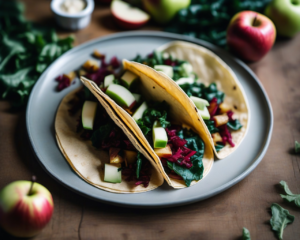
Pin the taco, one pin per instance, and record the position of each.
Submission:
(213, 87)
(162, 118)
(100, 148)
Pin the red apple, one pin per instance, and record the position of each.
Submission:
(128, 17)
(250, 35)
(25, 208)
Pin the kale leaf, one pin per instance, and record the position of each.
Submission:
(218, 147)
(291, 197)
(211, 126)
(234, 125)
(101, 134)
(297, 147)
(26, 51)
(280, 219)
(195, 143)
(156, 111)
(138, 164)
(209, 19)
(246, 234)
(199, 90)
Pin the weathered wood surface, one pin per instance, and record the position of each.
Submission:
(221, 217)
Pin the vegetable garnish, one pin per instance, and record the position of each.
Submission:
(246, 234)
(290, 197)
(297, 147)
(26, 51)
(280, 219)
(208, 19)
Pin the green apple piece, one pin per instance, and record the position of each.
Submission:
(204, 113)
(285, 14)
(88, 114)
(109, 80)
(137, 97)
(199, 102)
(138, 114)
(182, 81)
(186, 69)
(159, 134)
(165, 69)
(164, 10)
(111, 173)
(128, 79)
(120, 95)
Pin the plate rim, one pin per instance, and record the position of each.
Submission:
(180, 202)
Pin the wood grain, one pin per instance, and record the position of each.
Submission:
(221, 217)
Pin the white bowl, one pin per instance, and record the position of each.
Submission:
(72, 21)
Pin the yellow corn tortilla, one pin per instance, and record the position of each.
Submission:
(212, 69)
(87, 161)
(157, 87)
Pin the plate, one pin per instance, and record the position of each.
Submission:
(44, 101)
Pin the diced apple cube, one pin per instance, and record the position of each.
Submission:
(216, 137)
(114, 156)
(129, 78)
(220, 120)
(91, 65)
(163, 152)
(224, 107)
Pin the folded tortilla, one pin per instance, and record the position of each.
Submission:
(156, 86)
(87, 161)
(212, 69)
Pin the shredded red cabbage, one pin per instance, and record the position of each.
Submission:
(230, 115)
(180, 154)
(63, 82)
(130, 173)
(226, 135)
(213, 107)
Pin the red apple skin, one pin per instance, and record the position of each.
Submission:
(123, 23)
(248, 42)
(22, 215)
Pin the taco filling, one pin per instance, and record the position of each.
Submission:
(180, 150)
(94, 124)
(217, 115)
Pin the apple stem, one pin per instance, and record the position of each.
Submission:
(33, 180)
(254, 21)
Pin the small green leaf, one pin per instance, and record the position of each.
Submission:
(234, 125)
(246, 234)
(138, 164)
(101, 134)
(280, 219)
(290, 197)
(297, 147)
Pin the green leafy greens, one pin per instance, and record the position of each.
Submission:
(290, 197)
(156, 111)
(101, 134)
(138, 164)
(234, 125)
(195, 143)
(297, 147)
(209, 19)
(26, 51)
(280, 219)
(246, 234)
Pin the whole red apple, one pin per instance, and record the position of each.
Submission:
(25, 208)
(250, 35)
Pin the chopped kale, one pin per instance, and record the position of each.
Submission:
(234, 125)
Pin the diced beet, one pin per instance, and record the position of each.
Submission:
(63, 82)
(226, 135)
(213, 107)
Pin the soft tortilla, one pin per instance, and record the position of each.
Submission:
(210, 68)
(156, 86)
(87, 161)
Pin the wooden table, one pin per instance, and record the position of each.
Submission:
(247, 204)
